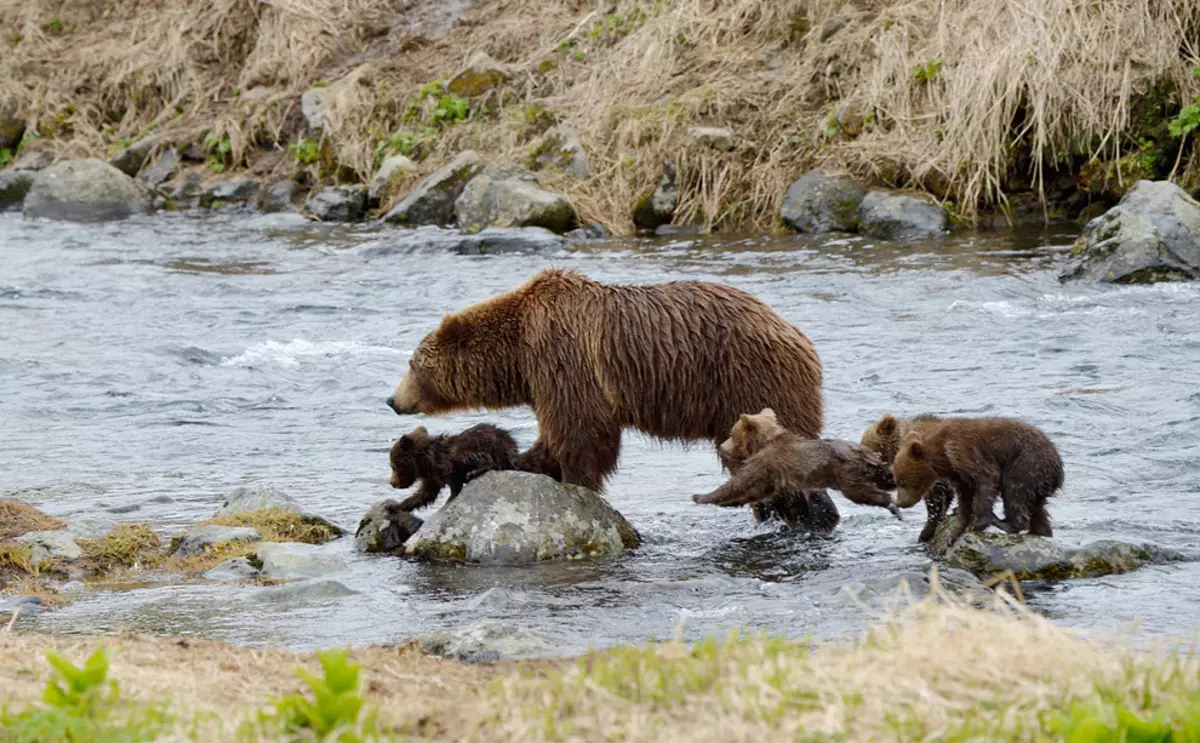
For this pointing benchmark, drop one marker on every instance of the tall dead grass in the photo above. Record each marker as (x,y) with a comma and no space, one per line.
(1015,88)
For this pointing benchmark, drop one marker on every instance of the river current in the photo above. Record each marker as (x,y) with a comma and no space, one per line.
(148,367)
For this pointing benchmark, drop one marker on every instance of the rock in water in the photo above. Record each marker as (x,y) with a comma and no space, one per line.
(279,196)
(86,191)
(517,518)
(1152,234)
(338,204)
(237,569)
(822,202)
(51,545)
(259,499)
(289,560)
(198,539)
(485,641)
(385,528)
(893,216)
(230,191)
(14,184)
(509,196)
(431,200)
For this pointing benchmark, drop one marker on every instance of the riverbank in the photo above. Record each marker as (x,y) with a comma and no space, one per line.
(1019,109)
(934,670)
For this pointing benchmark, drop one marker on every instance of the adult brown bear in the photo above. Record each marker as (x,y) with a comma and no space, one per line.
(679,361)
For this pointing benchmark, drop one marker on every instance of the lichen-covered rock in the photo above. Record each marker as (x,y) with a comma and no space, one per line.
(230,191)
(989,554)
(383,182)
(196,540)
(256,498)
(716,137)
(163,168)
(131,159)
(485,641)
(14,185)
(561,148)
(338,204)
(1152,234)
(86,191)
(385,528)
(291,560)
(893,216)
(821,202)
(431,200)
(280,196)
(517,518)
(509,196)
(480,74)
(51,545)
(658,206)
(493,240)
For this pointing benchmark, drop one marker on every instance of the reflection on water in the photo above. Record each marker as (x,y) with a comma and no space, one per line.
(151,366)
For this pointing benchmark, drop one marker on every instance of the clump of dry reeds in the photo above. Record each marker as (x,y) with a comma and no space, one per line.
(960,97)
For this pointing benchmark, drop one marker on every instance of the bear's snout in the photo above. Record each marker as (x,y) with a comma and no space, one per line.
(391,403)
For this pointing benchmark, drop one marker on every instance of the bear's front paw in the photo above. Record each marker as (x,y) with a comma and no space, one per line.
(702,498)
(895,511)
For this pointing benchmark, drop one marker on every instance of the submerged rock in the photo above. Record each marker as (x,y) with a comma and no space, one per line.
(486,242)
(878,592)
(509,196)
(338,204)
(51,545)
(86,191)
(305,591)
(658,206)
(485,641)
(893,216)
(257,498)
(517,518)
(431,200)
(1152,234)
(385,528)
(14,185)
(197,540)
(289,560)
(822,202)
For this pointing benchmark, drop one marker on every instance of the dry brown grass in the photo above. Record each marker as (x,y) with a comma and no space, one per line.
(126,546)
(936,670)
(278,525)
(1024,86)
(18,518)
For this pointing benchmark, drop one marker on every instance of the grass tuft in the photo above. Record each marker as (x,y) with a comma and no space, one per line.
(17,518)
(126,546)
(279,525)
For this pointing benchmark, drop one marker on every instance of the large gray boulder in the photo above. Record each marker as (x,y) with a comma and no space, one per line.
(385,528)
(1152,234)
(822,202)
(509,196)
(485,641)
(86,191)
(431,200)
(14,185)
(292,560)
(51,545)
(517,518)
(257,498)
(197,540)
(338,204)
(894,216)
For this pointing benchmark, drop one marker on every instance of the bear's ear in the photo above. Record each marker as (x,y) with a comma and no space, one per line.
(886,424)
(768,413)
(453,330)
(915,450)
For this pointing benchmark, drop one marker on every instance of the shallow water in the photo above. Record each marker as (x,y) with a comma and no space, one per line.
(185,355)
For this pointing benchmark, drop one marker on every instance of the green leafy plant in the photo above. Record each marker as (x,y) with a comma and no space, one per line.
(218,151)
(1186,121)
(6,156)
(451,109)
(306,150)
(405,143)
(55,26)
(923,73)
(336,708)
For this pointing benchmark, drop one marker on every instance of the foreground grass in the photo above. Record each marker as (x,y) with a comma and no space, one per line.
(935,671)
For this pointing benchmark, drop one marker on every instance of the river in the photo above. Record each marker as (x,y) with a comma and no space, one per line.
(151,366)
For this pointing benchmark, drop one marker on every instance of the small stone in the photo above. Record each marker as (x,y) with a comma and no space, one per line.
(14,185)
(891,216)
(821,201)
(658,206)
(237,569)
(481,74)
(51,545)
(385,528)
(131,159)
(485,641)
(288,560)
(86,191)
(719,138)
(338,204)
(431,200)
(280,196)
(231,191)
(312,107)
(197,540)
(390,170)
(163,168)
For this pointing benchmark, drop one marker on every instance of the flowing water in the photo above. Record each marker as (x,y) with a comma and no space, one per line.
(149,367)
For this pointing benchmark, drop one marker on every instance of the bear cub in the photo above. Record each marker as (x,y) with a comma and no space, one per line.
(769,460)
(982,458)
(448,459)
(884,437)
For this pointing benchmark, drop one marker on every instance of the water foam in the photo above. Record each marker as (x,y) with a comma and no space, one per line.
(291,352)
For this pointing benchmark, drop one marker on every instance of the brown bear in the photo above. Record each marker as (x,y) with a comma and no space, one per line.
(679,361)
(452,460)
(814,511)
(537,460)
(982,458)
(770,458)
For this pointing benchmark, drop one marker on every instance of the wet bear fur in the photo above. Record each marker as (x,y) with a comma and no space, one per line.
(884,437)
(982,459)
(772,459)
(537,459)
(448,459)
(678,361)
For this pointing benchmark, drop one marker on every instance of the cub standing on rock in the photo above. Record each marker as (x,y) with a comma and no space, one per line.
(452,460)
(769,458)
(678,361)
(982,458)
(883,438)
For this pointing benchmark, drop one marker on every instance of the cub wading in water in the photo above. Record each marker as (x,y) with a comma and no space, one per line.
(773,459)
(982,458)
